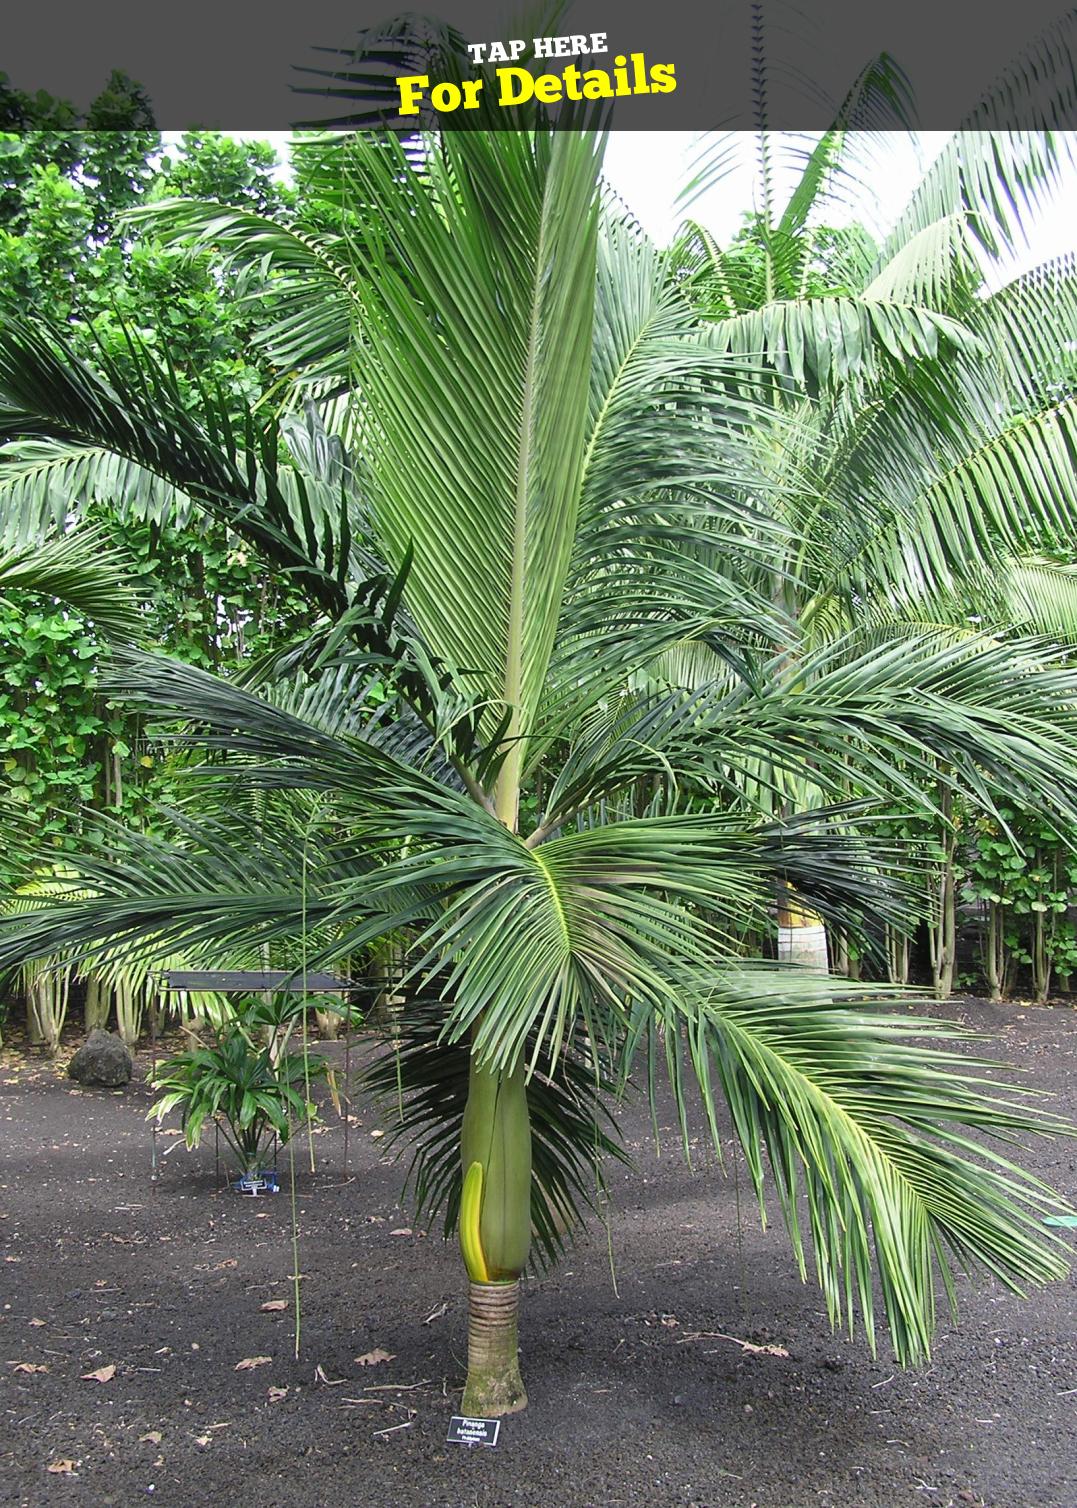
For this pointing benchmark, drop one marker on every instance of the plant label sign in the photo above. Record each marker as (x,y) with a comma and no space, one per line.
(465,1431)
(253,1184)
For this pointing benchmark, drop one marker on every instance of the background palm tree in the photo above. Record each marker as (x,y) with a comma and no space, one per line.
(924,463)
(537,459)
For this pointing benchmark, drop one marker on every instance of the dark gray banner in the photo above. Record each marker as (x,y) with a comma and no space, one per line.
(677,65)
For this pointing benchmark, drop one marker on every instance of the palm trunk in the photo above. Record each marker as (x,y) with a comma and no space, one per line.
(494,1385)
(897,956)
(495,1235)
(47,994)
(1041,960)
(495,1139)
(98,1004)
(328,1025)
(130,1007)
(943,934)
(943,929)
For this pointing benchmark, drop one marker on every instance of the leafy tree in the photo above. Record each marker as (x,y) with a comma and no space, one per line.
(1026,877)
(206,594)
(512,531)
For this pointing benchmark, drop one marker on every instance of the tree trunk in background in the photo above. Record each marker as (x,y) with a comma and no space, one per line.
(942,931)
(130,1005)
(98,1004)
(897,956)
(1041,959)
(47,994)
(943,935)
(328,1025)
(34,1032)
(995,952)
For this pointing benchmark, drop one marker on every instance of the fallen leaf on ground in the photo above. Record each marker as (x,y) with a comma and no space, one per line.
(747,1346)
(103,1374)
(250,1362)
(274,1305)
(405,1230)
(151,1437)
(276,1394)
(29,1366)
(201,1439)
(372,1358)
(37,1323)
(62,1468)
(377,1134)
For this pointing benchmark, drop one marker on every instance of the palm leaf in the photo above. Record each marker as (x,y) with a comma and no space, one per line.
(80,570)
(821,342)
(229,467)
(43,483)
(477,416)
(301,283)
(874,1142)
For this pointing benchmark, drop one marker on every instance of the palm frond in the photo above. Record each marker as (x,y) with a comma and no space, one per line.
(81,570)
(1040,597)
(931,267)
(477,417)
(874,1142)
(44,483)
(1031,326)
(999,718)
(1006,487)
(994,178)
(302,283)
(820,342)
(230,468)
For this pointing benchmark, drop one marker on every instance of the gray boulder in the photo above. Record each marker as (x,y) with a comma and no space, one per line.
(102,1059)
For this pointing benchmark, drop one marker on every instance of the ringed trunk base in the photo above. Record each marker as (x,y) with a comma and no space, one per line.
(494,1386)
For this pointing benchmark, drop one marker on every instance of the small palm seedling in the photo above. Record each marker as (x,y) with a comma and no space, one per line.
(243,1084)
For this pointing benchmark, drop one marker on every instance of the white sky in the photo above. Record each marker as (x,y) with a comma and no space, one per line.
(650,169)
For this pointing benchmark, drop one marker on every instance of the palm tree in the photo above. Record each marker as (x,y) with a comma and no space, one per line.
(535,460)
(929,420)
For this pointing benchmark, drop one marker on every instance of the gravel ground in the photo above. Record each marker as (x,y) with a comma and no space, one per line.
(700,1371)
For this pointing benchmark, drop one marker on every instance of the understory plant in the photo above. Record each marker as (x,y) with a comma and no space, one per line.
(243,1083)
(1025,876)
